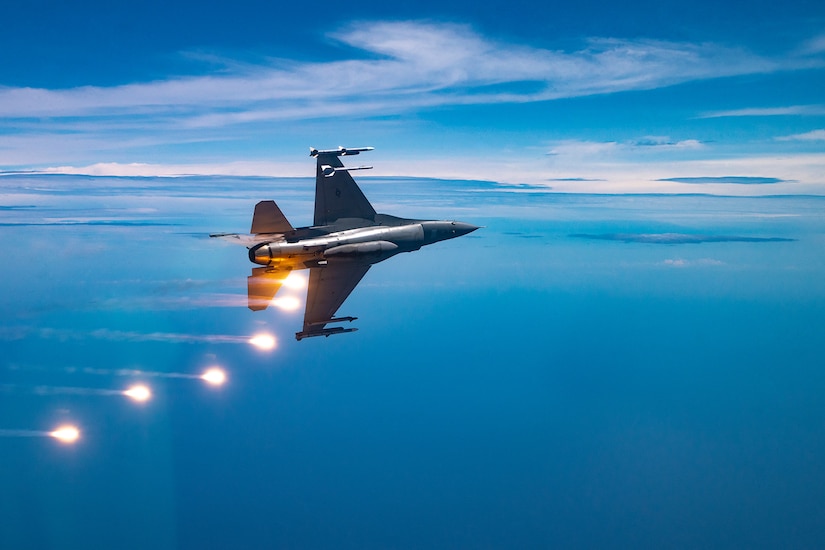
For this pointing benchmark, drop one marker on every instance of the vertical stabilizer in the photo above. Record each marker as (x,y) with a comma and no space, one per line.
(336,193)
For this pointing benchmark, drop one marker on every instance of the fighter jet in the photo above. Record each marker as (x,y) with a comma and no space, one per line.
(346,238)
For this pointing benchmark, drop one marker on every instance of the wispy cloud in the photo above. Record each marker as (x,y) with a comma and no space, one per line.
(802,110)
(663,142)
(97,222)
(814,135)
(568,166)
(388,69)
(815,45)
(408,65)
(647,144)
(737,180)
(702,262)
(237,168)
(671,167)
(676,238)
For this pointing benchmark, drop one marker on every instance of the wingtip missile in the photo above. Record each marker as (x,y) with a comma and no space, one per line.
(340,152)
(329,171)
(354,151)
(323,332)
(333,320)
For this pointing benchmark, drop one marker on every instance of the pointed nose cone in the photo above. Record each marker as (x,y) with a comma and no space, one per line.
(464,228)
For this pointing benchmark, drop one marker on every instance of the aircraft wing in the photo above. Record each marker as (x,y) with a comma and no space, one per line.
(328,287)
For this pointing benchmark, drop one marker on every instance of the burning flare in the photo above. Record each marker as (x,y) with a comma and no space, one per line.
(66,434)
(265,342)
(138,393)
(214,376)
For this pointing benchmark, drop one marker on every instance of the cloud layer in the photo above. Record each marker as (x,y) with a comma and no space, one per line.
(677,238)
(403,65)
(214,123)
(736,180)
(813,135)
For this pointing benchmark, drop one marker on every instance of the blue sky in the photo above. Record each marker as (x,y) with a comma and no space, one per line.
(580,97)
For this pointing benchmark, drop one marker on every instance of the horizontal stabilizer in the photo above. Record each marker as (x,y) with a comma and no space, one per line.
(268,218)
(262,286)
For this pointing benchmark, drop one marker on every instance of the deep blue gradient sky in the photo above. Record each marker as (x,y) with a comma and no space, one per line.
(585,371)
(623,96)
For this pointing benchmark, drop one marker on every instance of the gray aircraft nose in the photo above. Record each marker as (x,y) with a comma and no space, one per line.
(462,228)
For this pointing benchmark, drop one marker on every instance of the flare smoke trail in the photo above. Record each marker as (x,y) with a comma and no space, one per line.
(60,390)
(65,434)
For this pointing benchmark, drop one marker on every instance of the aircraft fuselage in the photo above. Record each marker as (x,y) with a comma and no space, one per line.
(373,243)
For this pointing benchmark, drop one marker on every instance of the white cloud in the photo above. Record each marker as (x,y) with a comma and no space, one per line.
(645,145)
(579,167)
(661,143)
(238,168)
(810,110)
(614,167)
(813,135)
(702,262)
(579,149)
(815,45)
(402,67)
(419,64)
